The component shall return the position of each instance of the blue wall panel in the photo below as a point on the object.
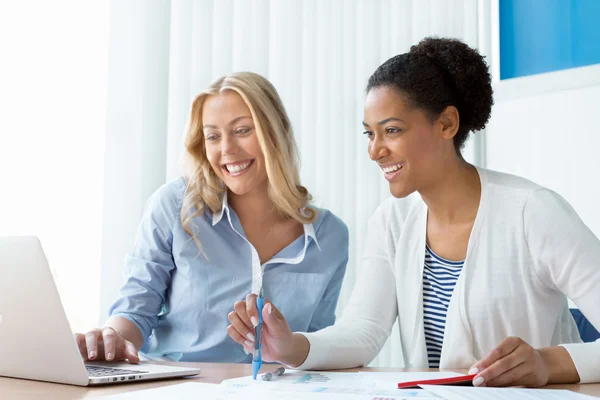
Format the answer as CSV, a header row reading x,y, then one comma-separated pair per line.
x,y
547,35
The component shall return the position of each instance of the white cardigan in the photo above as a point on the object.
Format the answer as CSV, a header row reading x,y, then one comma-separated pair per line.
x,y
527,252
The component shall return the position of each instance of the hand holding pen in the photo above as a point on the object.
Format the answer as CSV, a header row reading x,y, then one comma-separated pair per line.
x,y
278,342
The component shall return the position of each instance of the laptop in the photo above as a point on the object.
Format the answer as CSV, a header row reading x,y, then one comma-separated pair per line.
x,y
36,341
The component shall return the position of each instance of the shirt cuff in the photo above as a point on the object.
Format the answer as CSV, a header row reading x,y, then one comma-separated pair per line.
x,y
138,322
317,353
586,357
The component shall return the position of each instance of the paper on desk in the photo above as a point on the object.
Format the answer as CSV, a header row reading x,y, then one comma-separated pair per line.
x,y
308,378
258,395
391,380
301,384
369,392
183,391
204,391
472,393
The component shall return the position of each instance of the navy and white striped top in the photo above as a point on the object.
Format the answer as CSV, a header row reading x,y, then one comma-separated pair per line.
x,y
439,279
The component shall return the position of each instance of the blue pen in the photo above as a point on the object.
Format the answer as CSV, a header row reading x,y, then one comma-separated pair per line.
x,y
257,356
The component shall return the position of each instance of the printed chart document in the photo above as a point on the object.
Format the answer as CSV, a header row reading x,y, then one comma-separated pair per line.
x,y
317,396
261,395
283,390
307,378
327,385
471,393
204,391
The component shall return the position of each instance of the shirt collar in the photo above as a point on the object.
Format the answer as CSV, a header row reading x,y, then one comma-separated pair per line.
x,y
309,229
219,215
309,232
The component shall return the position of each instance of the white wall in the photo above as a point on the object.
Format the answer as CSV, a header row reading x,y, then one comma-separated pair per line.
x,y
52,123
546,128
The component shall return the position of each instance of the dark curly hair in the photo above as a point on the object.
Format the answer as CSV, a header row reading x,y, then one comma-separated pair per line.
x,y
438,73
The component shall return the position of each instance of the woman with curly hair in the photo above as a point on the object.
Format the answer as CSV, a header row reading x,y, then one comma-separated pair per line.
x,y
237,222
476,265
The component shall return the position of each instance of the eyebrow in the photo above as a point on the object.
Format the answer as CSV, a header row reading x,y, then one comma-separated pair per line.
x,y
385,121
233,121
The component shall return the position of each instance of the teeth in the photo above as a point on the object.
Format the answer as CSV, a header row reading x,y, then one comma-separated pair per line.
x,y
393,168
234,169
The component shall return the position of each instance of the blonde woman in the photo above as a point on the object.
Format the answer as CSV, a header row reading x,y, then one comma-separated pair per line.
x,y
239,219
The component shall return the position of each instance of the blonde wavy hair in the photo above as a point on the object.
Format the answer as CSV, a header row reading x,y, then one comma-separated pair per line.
x,y
276,140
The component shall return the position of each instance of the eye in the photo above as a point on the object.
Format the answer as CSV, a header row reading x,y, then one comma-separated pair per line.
x,y
369,134
393,131
242,131
211,137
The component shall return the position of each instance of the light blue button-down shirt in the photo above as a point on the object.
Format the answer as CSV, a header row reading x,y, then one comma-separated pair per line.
x,y
179,299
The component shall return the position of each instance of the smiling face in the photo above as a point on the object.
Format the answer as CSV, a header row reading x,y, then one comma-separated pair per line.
x,y
231,143
407,146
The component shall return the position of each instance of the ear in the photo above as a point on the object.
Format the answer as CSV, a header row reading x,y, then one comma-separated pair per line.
x,y
449,121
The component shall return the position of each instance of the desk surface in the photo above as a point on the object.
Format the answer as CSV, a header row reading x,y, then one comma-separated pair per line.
x,y
18,389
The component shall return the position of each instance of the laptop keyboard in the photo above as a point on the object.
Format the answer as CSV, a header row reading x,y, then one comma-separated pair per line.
x,y
94,371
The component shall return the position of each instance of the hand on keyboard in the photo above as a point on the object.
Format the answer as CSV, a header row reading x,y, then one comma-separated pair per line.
x,y
106,344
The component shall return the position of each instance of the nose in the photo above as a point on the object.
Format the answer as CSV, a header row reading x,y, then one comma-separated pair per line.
x,y
377,148
229,145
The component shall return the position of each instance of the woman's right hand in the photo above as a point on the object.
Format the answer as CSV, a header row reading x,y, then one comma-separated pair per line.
x,y
106,345
279,344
